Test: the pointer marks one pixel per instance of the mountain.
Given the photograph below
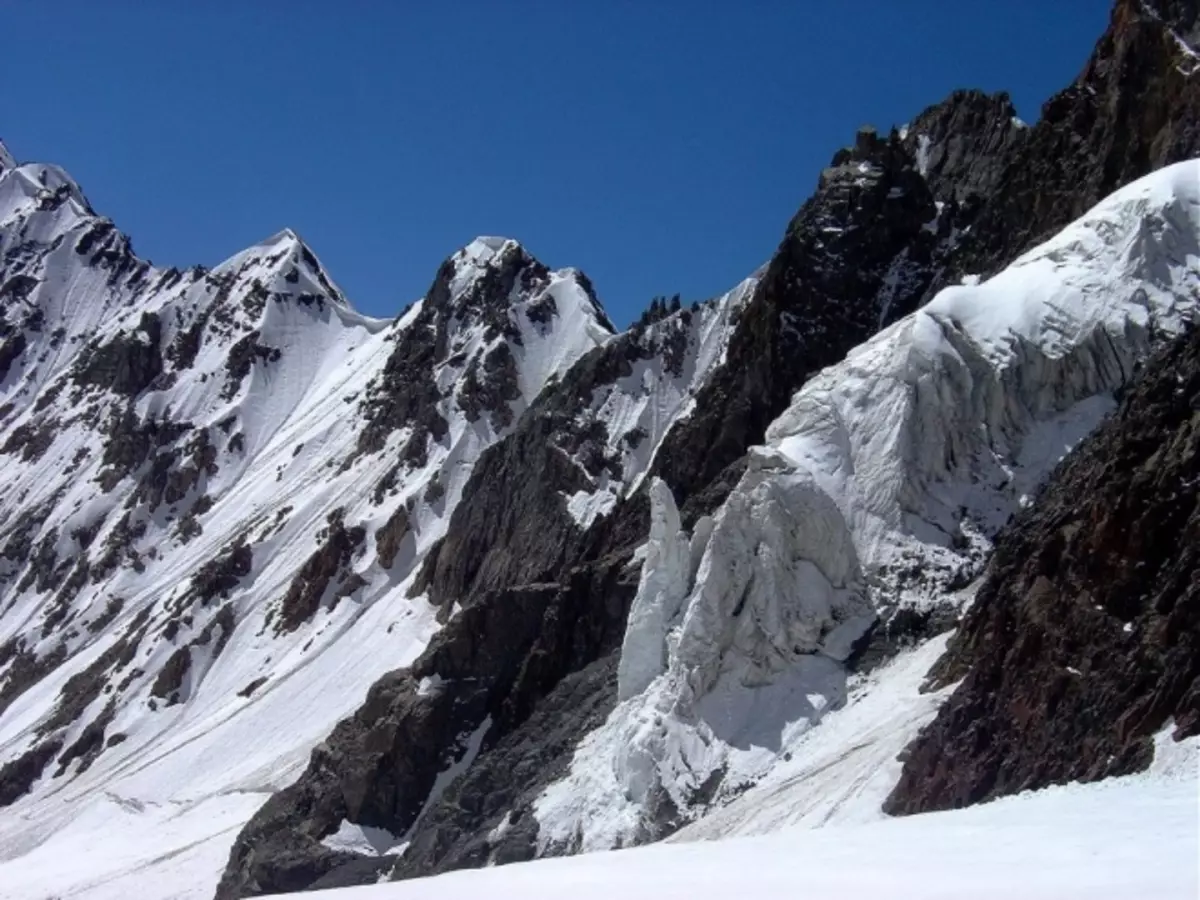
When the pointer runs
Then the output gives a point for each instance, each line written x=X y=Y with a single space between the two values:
x=600 y=588
x=888 y=475
x=216 y=483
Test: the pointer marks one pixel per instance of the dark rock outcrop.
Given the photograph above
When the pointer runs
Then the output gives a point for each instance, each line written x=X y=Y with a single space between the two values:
x=1134 y=108
x=1084 y=639
x=406 y=394
x=479 y=682
x=18 y=775
x=327 y=567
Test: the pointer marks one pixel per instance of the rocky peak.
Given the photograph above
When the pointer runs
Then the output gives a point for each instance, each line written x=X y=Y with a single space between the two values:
x=1134 y=108
x=494 y=325
x=6 y=159
x=869 y=155
x=487 y=277
x=1181 y=16
x=961 y=144
x=283 y=267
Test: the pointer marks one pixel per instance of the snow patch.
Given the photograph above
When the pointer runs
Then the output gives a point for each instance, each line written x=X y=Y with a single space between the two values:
x=364 y=839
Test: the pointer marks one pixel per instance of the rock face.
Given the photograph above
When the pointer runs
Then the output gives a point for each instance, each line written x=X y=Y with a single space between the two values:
x=1084 y=640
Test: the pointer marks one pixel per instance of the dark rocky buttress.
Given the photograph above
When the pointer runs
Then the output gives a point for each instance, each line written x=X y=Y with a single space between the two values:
x=1084 y=639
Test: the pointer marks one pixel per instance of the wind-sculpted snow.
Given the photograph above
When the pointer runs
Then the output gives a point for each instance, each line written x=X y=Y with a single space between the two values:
x=930 y=435
x=205 y=565
x=893 y=469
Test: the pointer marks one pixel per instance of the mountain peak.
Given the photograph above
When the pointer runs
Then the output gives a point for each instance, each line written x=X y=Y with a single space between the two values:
x=7 y=161
x=285 y=257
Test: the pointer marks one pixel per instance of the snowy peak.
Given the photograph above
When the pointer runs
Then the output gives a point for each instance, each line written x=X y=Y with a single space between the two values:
x=490 y=274
x=6 y=159
x=494 y=327
x=288 y=267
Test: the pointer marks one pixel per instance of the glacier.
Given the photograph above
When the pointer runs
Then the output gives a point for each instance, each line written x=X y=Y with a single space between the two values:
x=879 y=488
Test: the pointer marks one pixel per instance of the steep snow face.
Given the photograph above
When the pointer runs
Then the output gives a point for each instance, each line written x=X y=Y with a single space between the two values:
x=218 y=484
x=893 y=469
x=637 y=411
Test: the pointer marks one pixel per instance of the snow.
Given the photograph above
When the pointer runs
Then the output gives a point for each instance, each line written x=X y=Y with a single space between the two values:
x=364 y=839
x=470 y=744
x=1130 y=837
x=6 y=159
x=734 y=647
x=923 y=145
x=666 y=573
x=935 y=429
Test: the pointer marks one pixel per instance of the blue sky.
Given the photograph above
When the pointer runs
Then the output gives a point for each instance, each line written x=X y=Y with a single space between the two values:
x=660 y=146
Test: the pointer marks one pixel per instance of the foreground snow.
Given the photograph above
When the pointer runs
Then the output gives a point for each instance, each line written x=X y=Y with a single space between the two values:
x=1130 y=837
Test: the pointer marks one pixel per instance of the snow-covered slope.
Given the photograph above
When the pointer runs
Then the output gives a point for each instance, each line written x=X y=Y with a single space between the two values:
x=634 y=412
x=218 y=484
x=881 y=486
x=1044 y=844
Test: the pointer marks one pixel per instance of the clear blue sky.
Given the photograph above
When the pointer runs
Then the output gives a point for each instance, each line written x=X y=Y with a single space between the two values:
x=659 y=146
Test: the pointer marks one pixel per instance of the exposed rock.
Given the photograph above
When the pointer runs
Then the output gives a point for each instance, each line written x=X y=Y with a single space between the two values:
x=962 y=145
x=389 y=537
x=492 y=389
x=128 y=364
x=169 y=682
x=328 y=565
x=82 y=688
x=219 y=577
x=90 y=742
x=241 y=359
x=253 y=686
x=170 y=677
x=18 y=775
x=1084 y=639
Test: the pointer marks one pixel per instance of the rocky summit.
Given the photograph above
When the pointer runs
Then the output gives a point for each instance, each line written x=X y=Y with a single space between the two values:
x=293 y=598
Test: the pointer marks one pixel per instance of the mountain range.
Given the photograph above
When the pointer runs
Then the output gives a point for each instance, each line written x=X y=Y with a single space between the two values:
x=293 y=598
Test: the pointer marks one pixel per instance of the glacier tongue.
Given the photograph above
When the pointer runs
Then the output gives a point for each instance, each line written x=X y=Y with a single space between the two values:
x=895 y=468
